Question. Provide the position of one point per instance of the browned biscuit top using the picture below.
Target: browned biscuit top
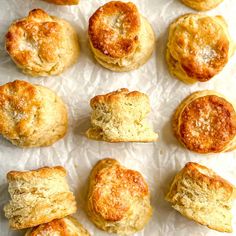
(57, 226)
(44, 172)
(114, 27)
(207, 124)
(205, 175)
(117, 96)
(200, 44)
(34, 39)
(64, 2)
(113, 188)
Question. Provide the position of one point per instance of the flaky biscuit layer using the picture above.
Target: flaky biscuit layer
(38, 197)
(120, 116)
(199, 194)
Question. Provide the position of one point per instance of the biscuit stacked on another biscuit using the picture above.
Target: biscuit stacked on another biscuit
(202, 5)
(31, 115)
(201, 195)
(120, 117)
(67, 226)
(198, 47)
(42, 45)
(118, 198)
(38, 197)
(121, 39)
(205, 122)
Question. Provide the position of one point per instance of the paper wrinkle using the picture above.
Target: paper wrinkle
(159, 161)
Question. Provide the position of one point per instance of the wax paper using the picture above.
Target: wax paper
(159, 161)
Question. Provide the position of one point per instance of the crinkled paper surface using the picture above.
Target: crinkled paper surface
(159, 161)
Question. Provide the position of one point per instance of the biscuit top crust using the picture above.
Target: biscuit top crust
(205, 175)
(114, 28)
(114, 98)
(35, 39)
(207, 124)
(55, 227)
(67, 226)
(201, 45)
(64, 2)
(114, 188)
(19, 105)
(42, 173)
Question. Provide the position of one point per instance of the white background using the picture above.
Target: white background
(159, 161)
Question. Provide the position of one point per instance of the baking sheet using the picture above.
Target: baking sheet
(158, 162)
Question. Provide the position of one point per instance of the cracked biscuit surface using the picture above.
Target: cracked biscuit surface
(199, 194)
(118, 199)
(42, 45)
(67, 226)
(31, 115)
(121, 39)
(120, 116)
(205, 122)
(198, 48)
(38, 197)
(202, 5)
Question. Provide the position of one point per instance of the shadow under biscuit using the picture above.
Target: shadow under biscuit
(82, 126)
(168, 136)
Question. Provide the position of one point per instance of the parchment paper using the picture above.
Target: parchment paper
(159, 161)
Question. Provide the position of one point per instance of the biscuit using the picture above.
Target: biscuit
(205, 122)
(199, 194)
(198, 48)
(202, 5)
(31, 115)
(63, 2)
(42, 45)
(118, 199)
(67, 226)
(38, 197)
(120, 38)
(120, 116)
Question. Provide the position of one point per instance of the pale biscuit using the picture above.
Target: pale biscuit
(31, 115)
(120, 116)
(121, 39)
(205, 122)
(202, 5)
(38, 197)
(198, 48)
(67, 226)
(42, 45)
(118, 199)
(199, 194)
(63, 2)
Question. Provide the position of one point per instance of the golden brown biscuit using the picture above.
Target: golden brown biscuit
(42, 45)
(38, 197)
(198, 47)
(63, 2)
(120, 116)
(118, 198)
(199, 194)
(120, 38)
(202, 5)
(31, 115)
(205, 122)
(67, 226)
